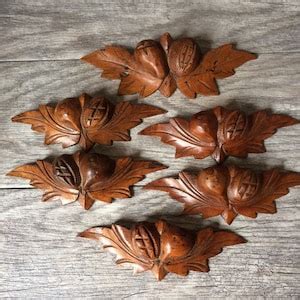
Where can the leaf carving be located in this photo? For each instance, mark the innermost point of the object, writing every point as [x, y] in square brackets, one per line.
[137, 76]
[59, 127]
[177, 133]
[113, 60]
[127, 172]
[221, 62]
[220, 133]
[86, 177]
[168, 86]
[168, 64]
[207, 244]
[202, 83]
[86, 120]
[162, 248]
[43, 176]
[228, 191]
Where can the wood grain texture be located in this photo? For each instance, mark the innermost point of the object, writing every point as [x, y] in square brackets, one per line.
[42, 258]
[27, 84]
[41, 43]
[54, 30]
[161, 247]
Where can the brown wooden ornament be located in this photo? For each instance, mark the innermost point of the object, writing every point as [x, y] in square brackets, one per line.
[167, 65]
[220, 133]
[86, 120]
[228, 191]
[161, 247]
[86, 177]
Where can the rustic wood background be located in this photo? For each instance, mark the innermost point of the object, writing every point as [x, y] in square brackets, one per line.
[41, 43]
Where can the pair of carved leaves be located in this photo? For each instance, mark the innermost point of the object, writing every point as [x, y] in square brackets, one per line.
[220, 132]
[86, 120]
[167, 65]
[228, 191]
[86, 177]
[163, 248]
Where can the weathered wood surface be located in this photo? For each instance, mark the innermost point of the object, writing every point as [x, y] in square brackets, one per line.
[271, 82]
[41, 42]
[42, 258]
[54, 30]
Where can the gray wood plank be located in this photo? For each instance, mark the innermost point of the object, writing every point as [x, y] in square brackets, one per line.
[271, 82]
[41, 30]
[41, 257]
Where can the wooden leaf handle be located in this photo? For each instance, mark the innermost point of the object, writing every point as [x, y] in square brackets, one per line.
[86, 120]
[86, 177]
[167, 65]
[228, 191]
[161, 247]
[220, 133]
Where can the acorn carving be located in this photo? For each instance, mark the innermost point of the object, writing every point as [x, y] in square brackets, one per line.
[213, 180]
[183, 56]
[234, 126]
[204, 126]
[95, 168]
[65, 168]
[174, 241]
[66, 113]
[145, 241]
[151, 56]
[244, 185]
[96, 113]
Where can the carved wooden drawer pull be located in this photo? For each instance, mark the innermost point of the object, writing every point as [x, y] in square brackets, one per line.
[167, 65]
[86, 120]
[161, 247]
[86, 177]
[228, 191]
[220, 132]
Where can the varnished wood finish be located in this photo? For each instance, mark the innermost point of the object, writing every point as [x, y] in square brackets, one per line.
[163, 248]
[41, 43]
[86, 120]
[168, 65]
[220, 133]
[86, 177]
[228, 191]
